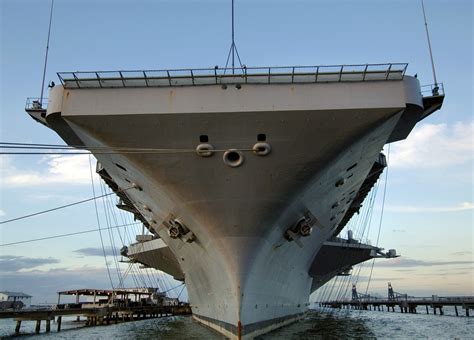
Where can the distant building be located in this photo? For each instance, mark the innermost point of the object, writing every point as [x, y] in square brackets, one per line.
[16, 296]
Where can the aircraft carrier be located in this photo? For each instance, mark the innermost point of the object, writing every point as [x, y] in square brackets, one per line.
[244, 177]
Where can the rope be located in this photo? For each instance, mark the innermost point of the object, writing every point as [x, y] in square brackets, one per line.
[359, 226]
[429, 44]
[111, 238]
[117, 152]
[60, 207]
[381, 217]
[128, 239]
[46, 54]
[182, 284]
[82, 150]
[64, 235]
[98, 224]
[182, 289]
[233, 47]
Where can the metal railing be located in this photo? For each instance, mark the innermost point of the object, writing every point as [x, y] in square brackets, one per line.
[35, 103]
[241, 75]
[432, 90]
[405, 297]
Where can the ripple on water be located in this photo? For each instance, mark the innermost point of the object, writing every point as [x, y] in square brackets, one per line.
[317, 324]
[324, 323]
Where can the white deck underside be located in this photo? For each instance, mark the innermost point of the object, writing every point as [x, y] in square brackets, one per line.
[241, 268]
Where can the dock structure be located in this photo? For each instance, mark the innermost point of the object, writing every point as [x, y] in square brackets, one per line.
[406, 304]
[116, 307]
[106, 296]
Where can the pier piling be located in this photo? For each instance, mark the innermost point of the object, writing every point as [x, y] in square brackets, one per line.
[17, 328]
[94, 316]
[407, 304]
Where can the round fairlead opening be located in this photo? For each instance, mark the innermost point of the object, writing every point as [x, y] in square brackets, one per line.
[233, 158]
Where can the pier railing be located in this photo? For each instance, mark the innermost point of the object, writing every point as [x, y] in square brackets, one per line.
[241, 75]
[430, 300]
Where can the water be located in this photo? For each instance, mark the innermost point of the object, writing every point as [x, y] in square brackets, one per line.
[317, 324]
[332, 323]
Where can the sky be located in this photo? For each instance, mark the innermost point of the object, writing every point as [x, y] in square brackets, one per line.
[428, 209]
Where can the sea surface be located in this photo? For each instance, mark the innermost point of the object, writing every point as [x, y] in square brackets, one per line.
[318, 324]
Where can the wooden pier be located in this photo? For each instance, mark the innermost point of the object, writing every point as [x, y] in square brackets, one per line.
[110, 311]
[406, 304]
[94, 316]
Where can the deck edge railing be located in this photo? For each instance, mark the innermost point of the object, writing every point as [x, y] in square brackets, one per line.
[241, 75]
[36, 103]
[432, 90]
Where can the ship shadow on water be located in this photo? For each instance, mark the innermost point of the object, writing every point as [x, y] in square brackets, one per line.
[316, 325]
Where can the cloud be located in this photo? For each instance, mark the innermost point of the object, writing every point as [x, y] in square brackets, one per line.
[109, 251]
[401, 262]
[43, 285]
[446, 272]
[2, 213]
[54, 169]
[413, 209]
[434, 146]
[9, 263]
[462, 253]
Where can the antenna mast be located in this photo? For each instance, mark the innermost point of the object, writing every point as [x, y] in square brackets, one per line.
[233, 48]
[429, 45]
[233, 37]
[46, 54]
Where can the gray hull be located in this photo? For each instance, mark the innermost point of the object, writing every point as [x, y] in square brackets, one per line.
[243, 273]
